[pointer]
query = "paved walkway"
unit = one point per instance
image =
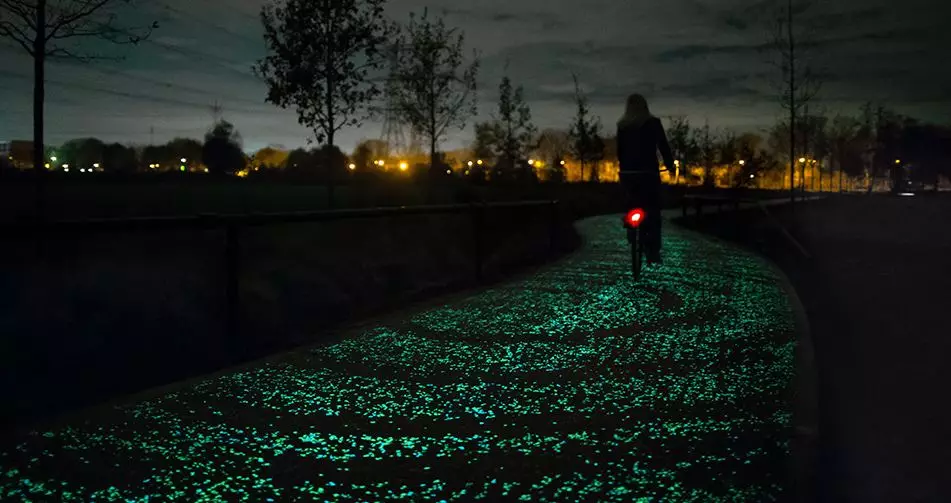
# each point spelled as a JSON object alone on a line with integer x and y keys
{"x": 574, "y": 384}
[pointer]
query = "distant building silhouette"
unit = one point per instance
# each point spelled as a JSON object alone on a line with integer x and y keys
{"x": 19, "y": 153}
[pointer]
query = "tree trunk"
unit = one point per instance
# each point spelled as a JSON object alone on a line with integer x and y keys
{"x": 39, "y": 90}
{"x": 432, "y": 155}
{"x": 840, "y": 176}
{"x": 331, "y": 129}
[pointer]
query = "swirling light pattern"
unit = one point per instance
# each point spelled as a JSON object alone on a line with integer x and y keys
{"x": 575, "y": 384}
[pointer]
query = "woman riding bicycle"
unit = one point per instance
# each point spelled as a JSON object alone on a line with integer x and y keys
{"x": 639, "y": 136}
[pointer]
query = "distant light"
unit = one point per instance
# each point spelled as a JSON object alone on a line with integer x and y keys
{"x": 182, "y": 168}
{"x": 95, "y": 165}
{"x": 752, "y": 176}
{"x": 65, "y": 165}
{"x": 206, "y": 170}
{"x": 403, "y": 165}
{"x": 742, "y": 163}
{"x": 906, "y": 194}
{"x": 897, "y": 161}
{"x": 53, "y": 158}
{"x": 82, "y": 170}
{"x": 184, "y": 160}
{"x": 479, "y": 162}
{"x": 352, "y": 166}
{"x": 531, "y": 162}
{"x": 66, "y": 170}
{"x": 562, "y": 163}
{"x": 802, "y": 159}
{"x": 676, "y": 162}
{"x": 469, "y": 163}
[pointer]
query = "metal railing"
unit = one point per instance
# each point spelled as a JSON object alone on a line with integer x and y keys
{"x": 699, "y": 201}
{"x": 232, "y": 224}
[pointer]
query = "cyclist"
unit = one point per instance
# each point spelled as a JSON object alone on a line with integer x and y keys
{"x": 639, "y": 136}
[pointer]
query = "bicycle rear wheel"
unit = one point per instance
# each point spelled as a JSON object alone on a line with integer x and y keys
{"x": 636, "y": 255}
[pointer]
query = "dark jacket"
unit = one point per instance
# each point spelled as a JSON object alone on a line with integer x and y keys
{"x": 637, "y": 146}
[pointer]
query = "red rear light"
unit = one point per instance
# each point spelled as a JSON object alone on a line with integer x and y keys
{"x": 634, "y": 218}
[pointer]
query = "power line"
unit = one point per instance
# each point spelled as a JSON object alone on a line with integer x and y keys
{"x": 219, "y": 61}
{"x": 191, "y": 18}
{"x": 112, "y": 92}
{"x": 169, "y": 85}
{"x": 112, "y": 72}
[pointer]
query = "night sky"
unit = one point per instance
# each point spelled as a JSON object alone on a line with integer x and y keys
{"x": 700, "y": 58}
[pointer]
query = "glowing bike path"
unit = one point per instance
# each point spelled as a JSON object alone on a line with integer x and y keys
{"x": 573, "y": 384}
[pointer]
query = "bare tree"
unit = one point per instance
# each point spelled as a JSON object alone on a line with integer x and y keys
{"x": 553, "y": 145}
{"x": 320, "y": 55}
{"x": 513, "y": 132}
{"x": 587, "y": 144}
{"x": 45, "y": 29}
{"x": 319, "y": 58}
{"x": 682, "y": 144}
{"x": 707, "y": 151}
{"x": 843, "y": 135}
{"x": 434, "y": 89}
{"x": 799, "y": 82}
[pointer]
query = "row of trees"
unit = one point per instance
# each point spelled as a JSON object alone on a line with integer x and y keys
{"x": 874, "y": 144}
{"x": 220, "y": 153}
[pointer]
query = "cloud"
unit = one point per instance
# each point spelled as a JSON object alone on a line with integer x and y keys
{"x": 693, "y": 51}
{"x": 694, "y": 57}
{"x": 175, "y": 41}
{"x": 524, "y": 19}
{"x": 720, "y": 88}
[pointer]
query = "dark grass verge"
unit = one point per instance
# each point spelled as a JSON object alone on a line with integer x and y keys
{"x": 873, "y": 290}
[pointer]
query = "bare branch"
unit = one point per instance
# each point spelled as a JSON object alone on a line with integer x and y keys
{"x": 13, "y": 32}
{"x": 83, "y": 9}
{"x": 23, "y": 10}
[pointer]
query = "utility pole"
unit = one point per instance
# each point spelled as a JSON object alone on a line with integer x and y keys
{"x": 806, "y": 124}
{"x": 39, "y": 81}
{"x": 792, "y": 108}
{"x": 216, "y": 112}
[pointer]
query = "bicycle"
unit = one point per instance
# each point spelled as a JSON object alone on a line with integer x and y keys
{"x": 632, "y": 222}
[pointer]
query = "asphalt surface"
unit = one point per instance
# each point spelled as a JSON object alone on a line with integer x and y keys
{"x": 874, "y": 285}
{"x": 876, "y": 292}
{"x": 570, "y": 384}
